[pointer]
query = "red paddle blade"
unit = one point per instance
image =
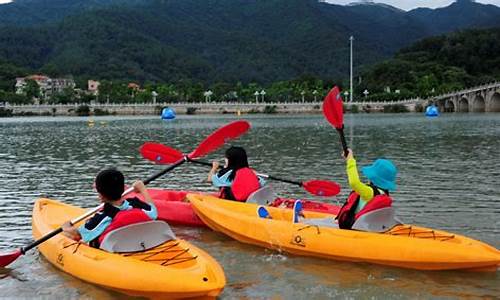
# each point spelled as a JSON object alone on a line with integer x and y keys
{"x": 323, "y": 188}
{"x": 333, "y": 108}
{"x": 6, "y": 259}
{"x": 160, "y": 153}
{"x": 219, "y": 137}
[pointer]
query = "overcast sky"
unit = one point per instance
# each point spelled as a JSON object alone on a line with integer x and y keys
{"x": 403, "y": 4}
{"x": 411, "y": 4}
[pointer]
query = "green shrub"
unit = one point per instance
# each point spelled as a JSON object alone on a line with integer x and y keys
{"x": 191, "y": 110}
{"x": 82, "y": 111}
{"x": 419, "y": 108}
{"x": 270, "y": 109}
{"x": 354, "y": 109}
{"x": 101, "y": 112}
{"x": 5, "y": 112}
{"x": 395, "y": 108}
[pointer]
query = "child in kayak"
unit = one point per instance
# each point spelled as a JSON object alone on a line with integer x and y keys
{"x": 110, "y": 184}
{"x": 236, "y": 180}
{"x": 364, "y": 197}
{"x": 367, "y": 197}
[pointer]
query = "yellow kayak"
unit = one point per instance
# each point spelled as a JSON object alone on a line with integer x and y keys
{"x": 405, "y": 246}
{"x": 174, "y": 269}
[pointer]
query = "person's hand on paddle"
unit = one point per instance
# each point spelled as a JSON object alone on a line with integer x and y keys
{"x": 140, "y": 188}
{"x": 349, "y": 154}
{"x": 70, "y": 231}
{"x": 215, "y": 167}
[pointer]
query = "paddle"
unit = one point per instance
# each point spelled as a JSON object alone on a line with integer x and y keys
{"x": 162, "y": 154}
{"x": 334, "y": 113}
{"x": 209, "y": 144}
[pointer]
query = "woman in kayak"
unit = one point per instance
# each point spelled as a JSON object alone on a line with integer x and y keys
{"x": 236, "y": 180}
{"x": 117, "y": 211}
{"x": 364, "y": 197}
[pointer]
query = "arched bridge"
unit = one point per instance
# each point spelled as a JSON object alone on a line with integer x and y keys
{"x": 485, "y": 98}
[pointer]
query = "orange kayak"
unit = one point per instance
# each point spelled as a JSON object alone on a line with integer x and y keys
{"x": 405, "y": 246}
{"x": 171, "y": 270}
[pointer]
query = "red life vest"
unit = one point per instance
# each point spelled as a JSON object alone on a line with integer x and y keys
{"x": 245, "y": 182}
{"x": 347, "y": 216}
{"x": 124, "y": 218}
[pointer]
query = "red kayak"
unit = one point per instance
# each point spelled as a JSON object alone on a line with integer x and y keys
{"x": 173, "y": 209}
{"x": 307, "y": 205}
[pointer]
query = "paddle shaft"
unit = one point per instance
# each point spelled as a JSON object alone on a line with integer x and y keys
{"x": 93, "y": 211}
{"x": 342, "y": 139}
{"x": 206, "y": 163}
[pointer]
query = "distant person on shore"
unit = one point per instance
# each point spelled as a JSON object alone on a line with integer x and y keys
{"x": 110, "y": 184}
{"x": 236, "y": 180}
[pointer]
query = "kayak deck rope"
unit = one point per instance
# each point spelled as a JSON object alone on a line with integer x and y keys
{"x": 175, "y": 254}
{"x": 410, "y": 231}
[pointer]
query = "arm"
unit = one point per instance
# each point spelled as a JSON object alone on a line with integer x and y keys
{"x": 140, "y": 188}
{"x": 223, "y": 180}
{"x": 215, "y": 167}
{"x": 365, "y": 191}
{"x": 152, "y": 212}
{"x": 71, "y": 231}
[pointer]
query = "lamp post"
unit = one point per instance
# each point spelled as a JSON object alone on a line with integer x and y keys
{"x": 366, "y": 93}
{"x": 302, "y": 93}
{"x": 207, "y": 95}
{"x": 154, "y": 94}
{"x": 262, "y": 93}
{"x": 256, "y": 94}
{"x": 346, "y": 93}
{"x": 351, "y": 39}
{"x": 315, "y": 92}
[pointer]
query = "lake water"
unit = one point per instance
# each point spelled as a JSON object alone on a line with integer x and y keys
{"x": 449, "y": 179}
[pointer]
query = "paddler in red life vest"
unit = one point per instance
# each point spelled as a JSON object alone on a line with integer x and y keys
{"x": 367, "y": 197}
{"x": 117, "y": 211}
{"x": 236, "y": 181}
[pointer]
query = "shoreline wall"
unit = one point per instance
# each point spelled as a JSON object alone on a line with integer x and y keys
{"x": 189, "y": 108}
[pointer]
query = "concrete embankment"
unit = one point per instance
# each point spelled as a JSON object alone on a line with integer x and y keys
{"x": 180, "y": 108}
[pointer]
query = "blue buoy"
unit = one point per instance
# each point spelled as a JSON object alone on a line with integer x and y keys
{"x": 167, "y": 114}
{"x": 432, "y": 111}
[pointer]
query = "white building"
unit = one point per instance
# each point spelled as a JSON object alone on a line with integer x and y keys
{"x": 48, "y": 86}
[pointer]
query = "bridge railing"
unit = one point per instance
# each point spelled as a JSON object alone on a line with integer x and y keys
{"x": 486, "y": 86}
{"x": 205, "y": 104}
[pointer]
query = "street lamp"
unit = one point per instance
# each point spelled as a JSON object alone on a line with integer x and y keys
{"x": 366, "y": 93}
{"x": 346, "y": 93}
{"x": 154, "y": 94}
{"x": 262, "y": 93}
{"x": 302, "y": 93}
{"x": 256, "y": 94}
{"x": 315, "y": 92}
{"x": 207, "y": 95}
{"x": 351, "y": 39}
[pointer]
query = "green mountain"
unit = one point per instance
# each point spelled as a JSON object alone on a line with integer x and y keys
{"x": 440, "y": 64}
{"x": 211, "y": 40}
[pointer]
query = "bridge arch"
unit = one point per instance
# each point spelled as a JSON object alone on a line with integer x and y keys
{"x": 463, "y": 105}
{"x": 449, "y": 106}
{"x": 495, "y": 102}
{"x": 478, "y": 105}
